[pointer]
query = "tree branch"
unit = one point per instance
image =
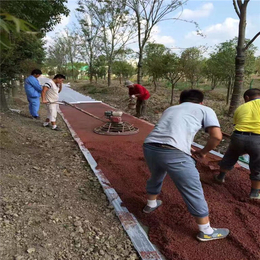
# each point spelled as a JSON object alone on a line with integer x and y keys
{"x": 236, "y": 8}
{"x": 251, "y": 41}
{"x": 239, "y": 2}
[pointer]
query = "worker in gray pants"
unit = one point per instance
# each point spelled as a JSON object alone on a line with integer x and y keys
{"x": 167, "y": 149}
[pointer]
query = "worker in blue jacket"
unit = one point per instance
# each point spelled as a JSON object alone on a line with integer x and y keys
{"x": 33, "y": 91}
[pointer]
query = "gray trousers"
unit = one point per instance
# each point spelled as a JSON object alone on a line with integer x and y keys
{"x": 181, "y": 168}
{"x": 243, "y": 144}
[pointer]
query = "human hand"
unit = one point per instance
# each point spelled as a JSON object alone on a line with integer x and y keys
{"x": 45, "y": 102}
{"x": 133, "y": 96}
{"x": 198, "y": 154}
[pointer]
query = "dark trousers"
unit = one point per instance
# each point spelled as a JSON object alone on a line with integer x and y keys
{"x": 140, "y": 107}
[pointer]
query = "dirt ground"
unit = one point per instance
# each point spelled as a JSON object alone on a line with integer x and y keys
{"x": 52, "y": 206}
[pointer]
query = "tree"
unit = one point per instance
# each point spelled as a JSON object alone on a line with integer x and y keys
{"x": 172, "y": 70}
{"x": 153, "y": 64}
{"x": 220, "y": 67}
{"x": 123, "y": 70}
{"x": 191, "y": 62}
{"x": 57, "y": 56}
{"x": 257, "y": 65}
{"x": 38, "y": 16}
{"x": 147, "y": 14}
{"x": 43, "y": 15}
{"x": 115, "y": 27}
{"x": 241, "y": 11}
{"x": 90, "y": 43}
{"x": 99, "y": 67}
{"x": 71, "y": 48}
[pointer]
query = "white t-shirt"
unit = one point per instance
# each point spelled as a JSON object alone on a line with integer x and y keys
{"x": 52, "y": 94}
{"x": 179, "y": 124}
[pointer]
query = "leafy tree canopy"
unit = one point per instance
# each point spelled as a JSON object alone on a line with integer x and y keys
{"x": 42, "y": 14}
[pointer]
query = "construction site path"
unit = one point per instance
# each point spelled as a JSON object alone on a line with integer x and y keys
{"x": 171, "y": 227}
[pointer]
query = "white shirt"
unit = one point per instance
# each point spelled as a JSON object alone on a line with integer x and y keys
{"x": 52, "y": 94}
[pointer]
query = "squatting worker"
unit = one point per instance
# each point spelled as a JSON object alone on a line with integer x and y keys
{"x": 245, "y": 140}
{"x": 50, "y": 96}
{"x": 167, "y": 149}
{"x": 142, "y": 95}
{"x": 33, "y": 91}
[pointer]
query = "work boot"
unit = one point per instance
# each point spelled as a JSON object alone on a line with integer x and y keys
{"x": 218, "y": 180}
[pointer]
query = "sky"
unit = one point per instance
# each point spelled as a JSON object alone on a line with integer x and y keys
{"x": 217, "y": 20}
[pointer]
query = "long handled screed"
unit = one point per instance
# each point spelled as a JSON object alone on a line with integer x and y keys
{"x": 83, "y": 111}
{"x": 115, "y": 125}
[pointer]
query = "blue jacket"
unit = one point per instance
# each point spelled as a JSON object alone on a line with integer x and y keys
{"x": 32, "y": 87}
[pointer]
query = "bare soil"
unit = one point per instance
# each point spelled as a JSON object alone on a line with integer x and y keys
{"x": 52, "y": 205}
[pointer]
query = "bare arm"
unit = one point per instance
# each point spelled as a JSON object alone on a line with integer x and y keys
{"x": 215, "y": 137}
{"x": 44, "y": 90}
{"x": 60, "y": 87}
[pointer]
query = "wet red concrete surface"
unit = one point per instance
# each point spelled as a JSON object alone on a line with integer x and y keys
{"x": 171, "y": 227}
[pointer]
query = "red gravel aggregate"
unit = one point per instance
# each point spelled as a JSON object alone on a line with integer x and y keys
{"x": 171, "y": 227}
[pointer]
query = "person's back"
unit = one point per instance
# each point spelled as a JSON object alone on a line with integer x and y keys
{"x": 179, "y": 124}
{"x": 52, "y": 94}
{"x": 33, "y": 91}
{"x": 247, "y": 117}
{"x": 32, "y": 87}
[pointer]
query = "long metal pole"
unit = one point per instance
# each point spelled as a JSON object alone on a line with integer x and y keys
{"x": 85, "y": 112}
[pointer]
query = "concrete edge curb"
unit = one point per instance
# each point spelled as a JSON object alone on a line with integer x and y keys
{"x": 140, "y": 240}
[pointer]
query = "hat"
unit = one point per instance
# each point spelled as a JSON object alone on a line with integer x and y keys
{"x": 128, "y": 83}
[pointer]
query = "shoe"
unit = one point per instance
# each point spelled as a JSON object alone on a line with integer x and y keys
{"x": 218, "y": 233}
{"x": 56, "y": 129}
{"x": 148, "y": 209}
{"x": 219, "y": 181}
{"x": 254, "y": 197}
{"x": 46, "y": 125}
{"x": 36, "y": 117}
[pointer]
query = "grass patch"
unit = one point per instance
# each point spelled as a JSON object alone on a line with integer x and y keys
{"x": 92, "y": 89}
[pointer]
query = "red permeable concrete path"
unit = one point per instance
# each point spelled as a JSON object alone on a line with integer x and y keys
{"x": 171, "y": 227}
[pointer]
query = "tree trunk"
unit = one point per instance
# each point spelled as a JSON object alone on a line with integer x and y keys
{"x": 139, "y": 67}
{"x": 3, "y": 103}
{"x": 172, "y": 94}
{"x": 14, "y": 88}
{"x": 109, "y": 76}
{"x": 155, "y": 85}
{"x": 192, "y": 84}
{"x": 213, "y": 84}
{"x": 228, "y": 91}
{"x": 240, "y": 61}
{"x": 90, "y": 72}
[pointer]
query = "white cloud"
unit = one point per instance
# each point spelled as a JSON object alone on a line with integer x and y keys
{"x": 216, "y": 33}
{"x": 221, "y": 32}
{"x": 156, "y": 37}
{"x": 48, "y": 41}
{"x": 204, "y": 11}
